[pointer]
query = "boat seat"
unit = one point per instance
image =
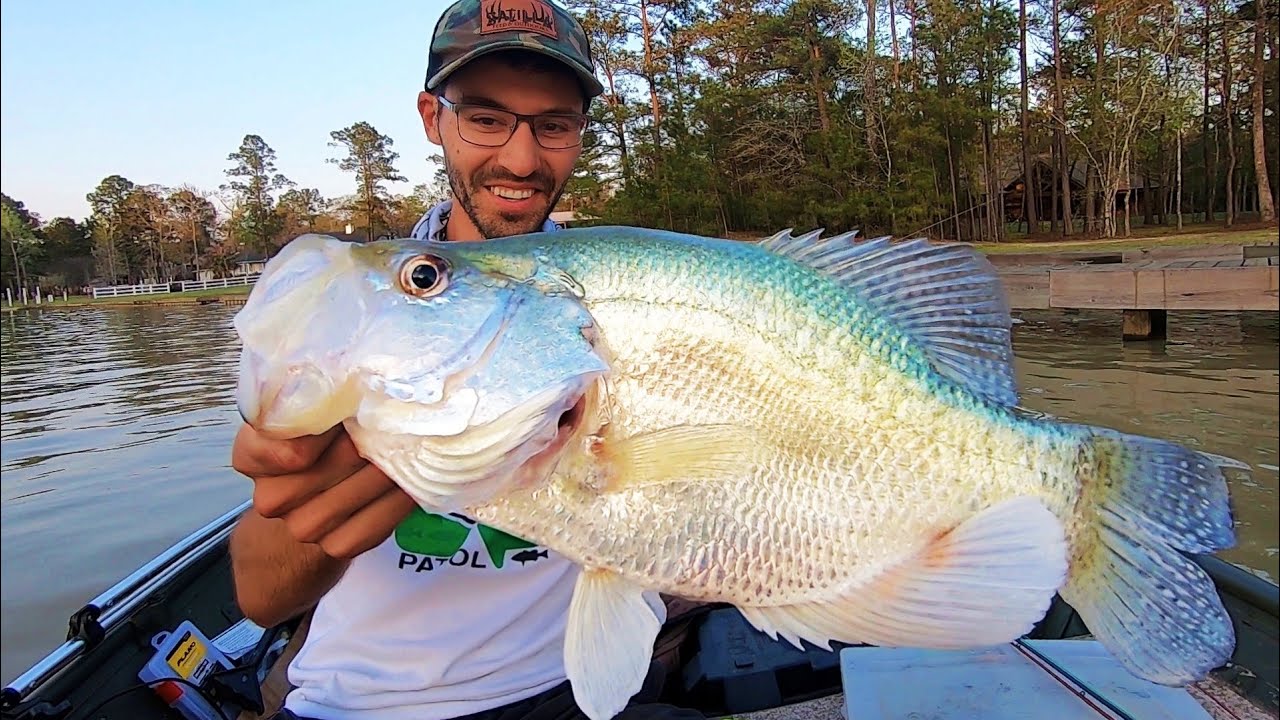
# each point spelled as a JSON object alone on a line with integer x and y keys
{"x": 276, "y": 684}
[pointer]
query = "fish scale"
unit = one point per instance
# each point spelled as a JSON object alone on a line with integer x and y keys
{"x": 829, "y": 547}
{"x": 821, "y": 432}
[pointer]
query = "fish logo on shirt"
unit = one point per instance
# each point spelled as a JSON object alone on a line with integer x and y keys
{"x": 443, "y": 536}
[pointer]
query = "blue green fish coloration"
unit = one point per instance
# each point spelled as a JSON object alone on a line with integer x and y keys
{"x": 823, "y": 432}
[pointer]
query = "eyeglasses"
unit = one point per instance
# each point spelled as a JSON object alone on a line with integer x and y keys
{"x": 490, "y": 127}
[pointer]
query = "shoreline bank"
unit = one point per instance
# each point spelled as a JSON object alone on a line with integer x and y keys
{"x": 158, "y": 299}
{"x": 1186, "y": 246}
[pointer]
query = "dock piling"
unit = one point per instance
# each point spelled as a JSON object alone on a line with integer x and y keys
{"x": 1144, "y": 324}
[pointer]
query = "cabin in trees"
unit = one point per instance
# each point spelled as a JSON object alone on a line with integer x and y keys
{"x": 1044, "y": 191}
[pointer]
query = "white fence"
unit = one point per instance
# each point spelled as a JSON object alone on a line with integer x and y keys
{"x": 225, "y": 282}
{"x": 180, "y": 286}
{"x": 122, "y": 290}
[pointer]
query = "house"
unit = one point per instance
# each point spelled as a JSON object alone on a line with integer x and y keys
{"x": 1014, "y": 189}
{"x": 569, "y": 218}
{"x": 249, "y": 262}
{"x": 1014, "y": 186}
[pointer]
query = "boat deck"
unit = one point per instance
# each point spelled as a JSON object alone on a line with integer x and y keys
{"x": 1215, "y": 696}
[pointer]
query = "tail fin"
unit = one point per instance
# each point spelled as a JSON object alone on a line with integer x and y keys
{"x": 1154, "y": 609}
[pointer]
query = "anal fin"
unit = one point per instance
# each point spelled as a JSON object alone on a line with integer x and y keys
{"x": 985, "y": 582}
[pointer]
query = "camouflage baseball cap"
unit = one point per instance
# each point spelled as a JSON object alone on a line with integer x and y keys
{"x": 471, "y": 28}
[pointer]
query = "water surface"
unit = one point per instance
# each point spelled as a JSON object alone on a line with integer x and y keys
{"x": 116, "y": 427}
{"x": 115, "y": 437}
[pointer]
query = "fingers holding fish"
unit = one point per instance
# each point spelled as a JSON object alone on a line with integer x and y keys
{"x": 276, "y": 495}
{"x": 345, "y": 514}
{"x": 369, "y": 525}
{"x": 256, "y": 455}
{"x": 329, "y": 508}
{"x": 323, "y": 490}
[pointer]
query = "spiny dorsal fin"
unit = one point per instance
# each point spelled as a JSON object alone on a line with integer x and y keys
{"x": 946, "y": 297}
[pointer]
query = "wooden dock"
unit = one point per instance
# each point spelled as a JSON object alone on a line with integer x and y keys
{"x": 1145, "y": 284}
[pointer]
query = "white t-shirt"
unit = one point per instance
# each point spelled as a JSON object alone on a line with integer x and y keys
{"x": 445, "y": 618}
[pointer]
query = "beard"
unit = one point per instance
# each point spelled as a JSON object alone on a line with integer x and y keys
{"x": 494, "y": 223}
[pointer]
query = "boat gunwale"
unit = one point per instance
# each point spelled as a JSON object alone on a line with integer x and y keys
{"x": 112, "y": 607}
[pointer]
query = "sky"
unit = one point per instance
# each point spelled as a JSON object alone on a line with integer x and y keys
{"x": 162, "y": 91}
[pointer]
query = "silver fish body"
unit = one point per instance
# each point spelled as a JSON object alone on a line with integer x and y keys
{"x": 821, "y": 432}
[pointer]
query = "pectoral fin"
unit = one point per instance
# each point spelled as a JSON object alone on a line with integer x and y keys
{"x": 680, "y": 453}
{"x": 608, "y": 642}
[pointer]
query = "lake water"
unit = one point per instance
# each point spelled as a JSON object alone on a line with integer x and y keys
{"x": 116, "y": 428}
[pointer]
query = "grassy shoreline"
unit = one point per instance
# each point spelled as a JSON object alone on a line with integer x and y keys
{"x": 1140, "y": 238}
{"x": 190, "y": 297}
{"x": 1192, "y": 236}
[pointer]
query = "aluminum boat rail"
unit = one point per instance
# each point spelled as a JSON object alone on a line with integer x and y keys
{"x": 90, "y": 624}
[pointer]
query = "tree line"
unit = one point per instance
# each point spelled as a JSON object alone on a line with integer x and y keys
{"x": 970, "y": 120}
{"x": 965, "y": 119}
{"x": 139, "y": 232}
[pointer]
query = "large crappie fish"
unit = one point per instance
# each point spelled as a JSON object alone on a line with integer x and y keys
{"x": 821, "y": 432}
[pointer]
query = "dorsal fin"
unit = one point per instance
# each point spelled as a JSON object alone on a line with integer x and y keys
{"x": 946, "y": 297}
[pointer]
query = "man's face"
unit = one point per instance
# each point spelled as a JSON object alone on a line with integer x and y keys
{"x": 511, "y": 189}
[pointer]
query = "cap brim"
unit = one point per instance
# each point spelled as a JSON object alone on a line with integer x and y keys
{"x": 589, "y": 80}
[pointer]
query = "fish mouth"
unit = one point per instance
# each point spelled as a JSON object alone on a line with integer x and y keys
{"x": 578, "y": 415}
{"x": 453, "y": 478}
{"x": 569, "y": 425}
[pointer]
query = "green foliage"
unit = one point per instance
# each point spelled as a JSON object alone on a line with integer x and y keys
{"x": 254, "y": 179}
{"x": 67, "y": 258}
{"x": 194, "y": 221}
{"x": 747, "y": 116}
{"x": 301, "y": 209}
{"x": 370, "y": 157}
{"x": 769, "y": 111}
{"x": 19, "y": 246}
{"x": 110, "y": 225}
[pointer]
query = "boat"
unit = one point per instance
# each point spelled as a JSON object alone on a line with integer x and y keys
{"x": 181, "y": 605}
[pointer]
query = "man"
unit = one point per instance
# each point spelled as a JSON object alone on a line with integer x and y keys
{"x": 419, "y": 615}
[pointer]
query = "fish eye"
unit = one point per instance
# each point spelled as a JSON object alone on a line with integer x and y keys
{"x": 424, "y": 276}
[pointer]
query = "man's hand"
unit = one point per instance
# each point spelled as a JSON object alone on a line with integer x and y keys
{"x": 322, "y": 490}
{"x": 317, "y": 504}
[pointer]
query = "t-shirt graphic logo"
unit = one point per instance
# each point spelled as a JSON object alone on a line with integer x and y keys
{"x": 442, "y": 536}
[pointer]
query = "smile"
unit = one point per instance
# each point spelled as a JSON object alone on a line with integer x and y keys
{"x": 511, "y": 193}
